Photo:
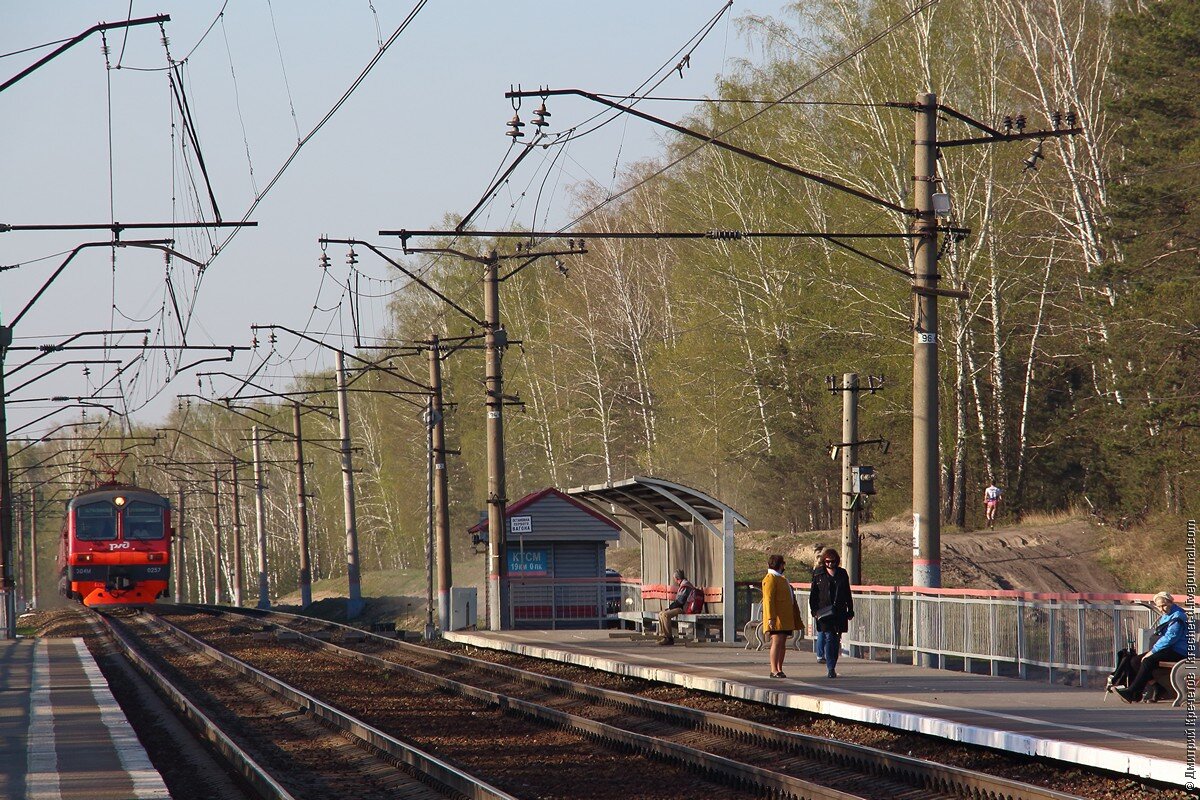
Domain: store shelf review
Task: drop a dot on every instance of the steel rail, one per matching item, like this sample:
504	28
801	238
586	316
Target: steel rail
712	766
237	758
430	766
921	773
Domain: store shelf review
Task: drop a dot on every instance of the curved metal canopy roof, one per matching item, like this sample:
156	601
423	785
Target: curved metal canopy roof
654	501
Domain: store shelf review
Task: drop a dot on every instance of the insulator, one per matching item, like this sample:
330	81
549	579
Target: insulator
1056	119
582	244
1071	119
514	127
724	235
254	343
324	260
352	257
1034	157
1020	122
570	244
540	115
1008	122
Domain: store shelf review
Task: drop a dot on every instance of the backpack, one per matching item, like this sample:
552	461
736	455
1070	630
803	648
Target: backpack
695	601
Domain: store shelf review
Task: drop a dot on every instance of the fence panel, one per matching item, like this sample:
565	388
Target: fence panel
1068	638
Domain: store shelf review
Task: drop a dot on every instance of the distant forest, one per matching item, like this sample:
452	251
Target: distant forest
1069	377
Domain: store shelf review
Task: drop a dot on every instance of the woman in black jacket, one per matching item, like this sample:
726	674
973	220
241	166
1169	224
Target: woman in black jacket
832	607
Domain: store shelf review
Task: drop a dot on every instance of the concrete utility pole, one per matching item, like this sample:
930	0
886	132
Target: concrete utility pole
260	523
238	553
216	537
926	500
177	556
21	586
302	511
354	604
851	552
33	559
430	629
441	509
8	603
495	339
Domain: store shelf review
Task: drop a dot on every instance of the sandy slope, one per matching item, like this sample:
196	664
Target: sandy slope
1057	557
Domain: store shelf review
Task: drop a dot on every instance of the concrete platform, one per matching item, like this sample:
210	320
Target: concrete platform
62	735
1032	718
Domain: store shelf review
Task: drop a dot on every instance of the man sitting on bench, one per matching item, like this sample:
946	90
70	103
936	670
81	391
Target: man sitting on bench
1173	635
683	595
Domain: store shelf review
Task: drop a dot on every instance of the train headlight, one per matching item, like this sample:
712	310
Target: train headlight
84	558
154	556
118	501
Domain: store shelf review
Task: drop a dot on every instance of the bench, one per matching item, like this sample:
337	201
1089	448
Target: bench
1176	676
753	631
700	627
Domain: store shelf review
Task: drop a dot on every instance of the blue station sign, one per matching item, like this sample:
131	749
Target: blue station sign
528	563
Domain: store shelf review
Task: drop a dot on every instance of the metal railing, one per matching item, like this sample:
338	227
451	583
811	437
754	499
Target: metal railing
1061	637
1067	638
570	602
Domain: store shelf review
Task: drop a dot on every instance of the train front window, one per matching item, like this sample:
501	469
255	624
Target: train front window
95	522
143	521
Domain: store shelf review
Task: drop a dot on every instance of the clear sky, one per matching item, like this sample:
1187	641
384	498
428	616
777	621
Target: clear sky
420	138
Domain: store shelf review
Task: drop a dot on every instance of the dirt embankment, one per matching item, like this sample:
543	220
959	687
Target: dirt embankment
1058	556
1062	557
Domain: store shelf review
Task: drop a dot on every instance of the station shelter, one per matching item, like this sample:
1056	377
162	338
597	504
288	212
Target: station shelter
555	549
678	527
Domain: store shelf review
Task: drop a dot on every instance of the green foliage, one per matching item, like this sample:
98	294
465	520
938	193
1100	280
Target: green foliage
1067	376
1149	429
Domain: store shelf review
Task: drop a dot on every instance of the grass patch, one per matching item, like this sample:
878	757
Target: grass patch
1045	518
1150	557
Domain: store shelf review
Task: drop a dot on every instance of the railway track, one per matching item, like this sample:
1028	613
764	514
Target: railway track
284	745
741	755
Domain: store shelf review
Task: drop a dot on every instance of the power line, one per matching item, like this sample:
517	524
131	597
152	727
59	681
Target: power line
823	73
746	101
403	26
573	132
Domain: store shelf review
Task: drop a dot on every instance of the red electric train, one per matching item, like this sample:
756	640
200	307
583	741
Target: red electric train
116	546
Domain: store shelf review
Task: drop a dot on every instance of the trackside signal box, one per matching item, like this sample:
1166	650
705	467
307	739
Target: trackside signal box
464	608
862	479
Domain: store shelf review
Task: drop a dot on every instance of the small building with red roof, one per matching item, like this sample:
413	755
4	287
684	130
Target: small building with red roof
555	548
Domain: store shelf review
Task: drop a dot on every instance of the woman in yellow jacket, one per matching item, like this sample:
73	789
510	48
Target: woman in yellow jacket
781	615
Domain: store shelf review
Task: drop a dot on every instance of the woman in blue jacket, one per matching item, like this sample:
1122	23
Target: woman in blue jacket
1174	633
